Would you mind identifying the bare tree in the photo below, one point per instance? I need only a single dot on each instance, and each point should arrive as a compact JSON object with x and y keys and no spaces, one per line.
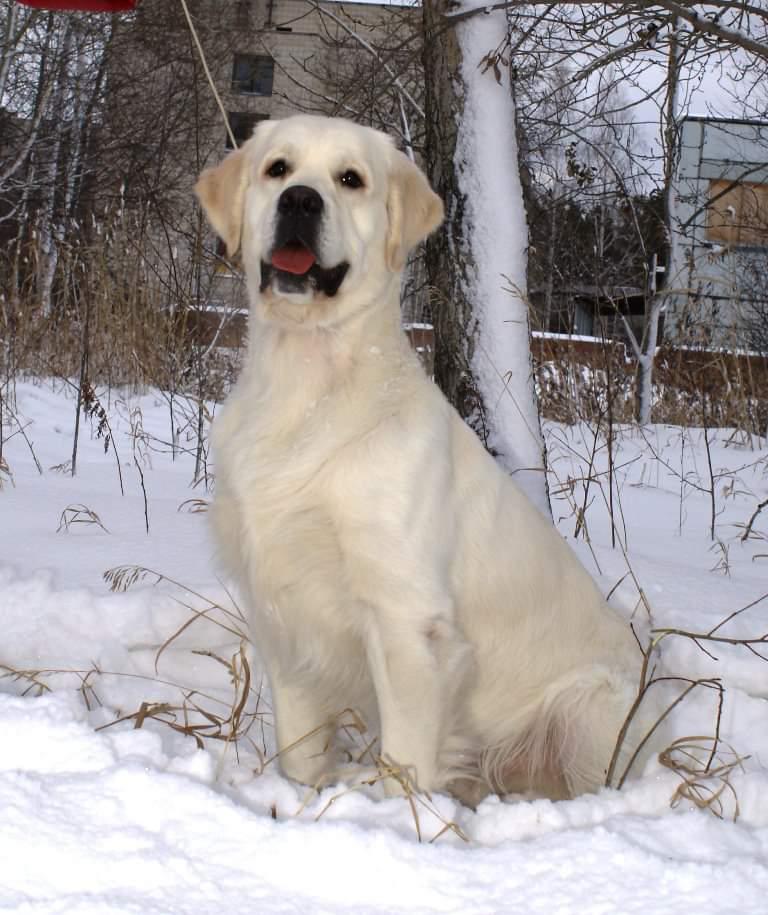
{"x":658,"y":49}
{"x":111,"y":117}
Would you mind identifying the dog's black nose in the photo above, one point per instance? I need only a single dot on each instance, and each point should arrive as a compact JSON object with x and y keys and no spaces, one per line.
{"x":300,"y":200}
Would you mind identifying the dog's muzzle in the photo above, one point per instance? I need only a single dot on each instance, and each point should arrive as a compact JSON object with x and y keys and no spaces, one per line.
{"x":293,"y":262}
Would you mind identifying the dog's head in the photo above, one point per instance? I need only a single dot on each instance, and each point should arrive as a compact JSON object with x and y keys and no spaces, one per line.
{"x":325,"y":212}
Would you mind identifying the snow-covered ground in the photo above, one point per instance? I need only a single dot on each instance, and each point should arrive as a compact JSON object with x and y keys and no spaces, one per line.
{"x":139,"y":817}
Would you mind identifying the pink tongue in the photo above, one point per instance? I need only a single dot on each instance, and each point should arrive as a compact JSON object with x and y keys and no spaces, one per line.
{"x":293,"y":259}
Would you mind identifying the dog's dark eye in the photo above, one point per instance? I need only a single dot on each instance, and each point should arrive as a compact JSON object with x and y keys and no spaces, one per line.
{"x":351,"y":179}
{"x":278,"y":168}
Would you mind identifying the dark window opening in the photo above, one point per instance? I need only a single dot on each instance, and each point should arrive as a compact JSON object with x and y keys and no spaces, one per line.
{"x":243,"y":14}
{"x":252,"y":74}
{"x":241,"y":124}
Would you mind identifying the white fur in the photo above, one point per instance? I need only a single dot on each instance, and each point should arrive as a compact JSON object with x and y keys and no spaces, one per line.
{"x":389,"y":565}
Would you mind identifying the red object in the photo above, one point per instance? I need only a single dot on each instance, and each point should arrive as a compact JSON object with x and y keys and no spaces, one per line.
{"x":83,"y":6}
{"x":293,"y":259}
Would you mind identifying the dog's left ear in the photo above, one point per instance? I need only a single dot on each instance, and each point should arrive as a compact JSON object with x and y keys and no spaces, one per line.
{"x":221,"y":192}
{"x":414,"y":210}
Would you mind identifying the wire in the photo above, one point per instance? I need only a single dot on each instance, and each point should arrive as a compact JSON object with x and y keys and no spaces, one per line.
{"x":208,"y":74}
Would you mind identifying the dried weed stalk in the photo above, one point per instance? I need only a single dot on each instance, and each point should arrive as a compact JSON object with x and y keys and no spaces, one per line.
{"x":703,"y":784}
{"x":5,"y":473}
{"x":79,"y":514}
{"x":35,"y":685}
{"x":698,"y":777}
{"x":361,"y":752}
{"x":232,"y":711}
{"x":94,"y":410}
{"x":194,"y":719}
{"x":194,"y":506}
{"x":749,"y":526}
{"x":121,"y":578}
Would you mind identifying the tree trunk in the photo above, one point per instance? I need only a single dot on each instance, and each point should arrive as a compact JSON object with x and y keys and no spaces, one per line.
{"x":8,"y":46}
{"x":49,"y":247}
{"x":646,"y":353}
{"x":476,"y":265}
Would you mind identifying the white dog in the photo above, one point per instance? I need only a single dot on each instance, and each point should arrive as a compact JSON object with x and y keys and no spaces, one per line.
{"x":389,"y":565}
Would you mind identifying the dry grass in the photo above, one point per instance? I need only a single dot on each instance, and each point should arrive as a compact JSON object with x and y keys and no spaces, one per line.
{"x":79,"y":514}
{"x":5,"y":473}
{"x":705,"y":778}
{"x":136,"y":341}
{"x":583,"y":381}
{"x":197,"y":714}
{"x":705,"y":775}
{"x":418,"y":802}
{"x":573,"y":498}
{"x":192,"y":717}
{"x":232,"y":621}
{"x":194,"y":506}
{"x":369,"y":768}
{"x":700,"y":761}
{"x":35,"y":684}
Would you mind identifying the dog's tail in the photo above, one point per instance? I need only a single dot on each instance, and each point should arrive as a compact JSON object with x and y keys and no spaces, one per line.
{"x":563,"y":744}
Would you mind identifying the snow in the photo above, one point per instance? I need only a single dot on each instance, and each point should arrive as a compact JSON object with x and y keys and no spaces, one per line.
{"x":575,"y":338}
{"x":101,"y":816}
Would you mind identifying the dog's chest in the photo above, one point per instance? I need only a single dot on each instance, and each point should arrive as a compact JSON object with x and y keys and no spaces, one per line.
{"x":277,"y":482}
{"x":279,"y":457}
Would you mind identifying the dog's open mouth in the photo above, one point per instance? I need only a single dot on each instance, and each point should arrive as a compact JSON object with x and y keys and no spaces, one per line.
{"x":293,"y":267}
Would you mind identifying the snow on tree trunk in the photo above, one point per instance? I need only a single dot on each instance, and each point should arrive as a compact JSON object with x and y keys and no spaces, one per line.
{"x":645,"y":360}
{"x":477,"y":264}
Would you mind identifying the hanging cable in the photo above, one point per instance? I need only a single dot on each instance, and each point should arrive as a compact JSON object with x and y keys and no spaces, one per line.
{"x":203,"y":61}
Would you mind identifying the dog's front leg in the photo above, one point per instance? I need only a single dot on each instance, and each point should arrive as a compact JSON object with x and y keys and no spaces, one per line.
{"x":304,"y":730}
{"x":415,"y":671}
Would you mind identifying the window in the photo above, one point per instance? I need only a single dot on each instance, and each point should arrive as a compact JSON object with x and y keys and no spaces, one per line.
{"x":738,"y":213}
{"x":242,"y":123}
{"x":243,"y":14}
{"x":252,"y":74}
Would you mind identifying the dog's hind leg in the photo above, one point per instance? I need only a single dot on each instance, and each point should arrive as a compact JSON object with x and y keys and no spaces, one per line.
{"x":590,"y":719}
{"x":563,"y":746}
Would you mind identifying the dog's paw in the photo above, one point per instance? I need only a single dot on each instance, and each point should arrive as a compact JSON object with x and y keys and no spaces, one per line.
{"x":396,"y":787}
{"x":374,"y":781}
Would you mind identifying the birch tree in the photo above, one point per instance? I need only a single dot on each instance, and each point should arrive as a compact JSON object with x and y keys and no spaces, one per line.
{"x":476,"y":265}
{"x":474,"y":54}
{"x":645,"y":348}
{"x":50,"y":226}
{"x":53,"y":77}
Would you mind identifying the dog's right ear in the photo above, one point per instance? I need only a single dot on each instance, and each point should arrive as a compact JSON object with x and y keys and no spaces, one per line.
{"x":221,"y":192}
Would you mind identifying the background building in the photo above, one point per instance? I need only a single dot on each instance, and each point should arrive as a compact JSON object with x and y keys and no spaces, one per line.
{"x":717,"y":278}
{"x":268,"y":59}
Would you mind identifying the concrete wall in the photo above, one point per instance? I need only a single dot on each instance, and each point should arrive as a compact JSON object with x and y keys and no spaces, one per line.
{"x":313,"y":54}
